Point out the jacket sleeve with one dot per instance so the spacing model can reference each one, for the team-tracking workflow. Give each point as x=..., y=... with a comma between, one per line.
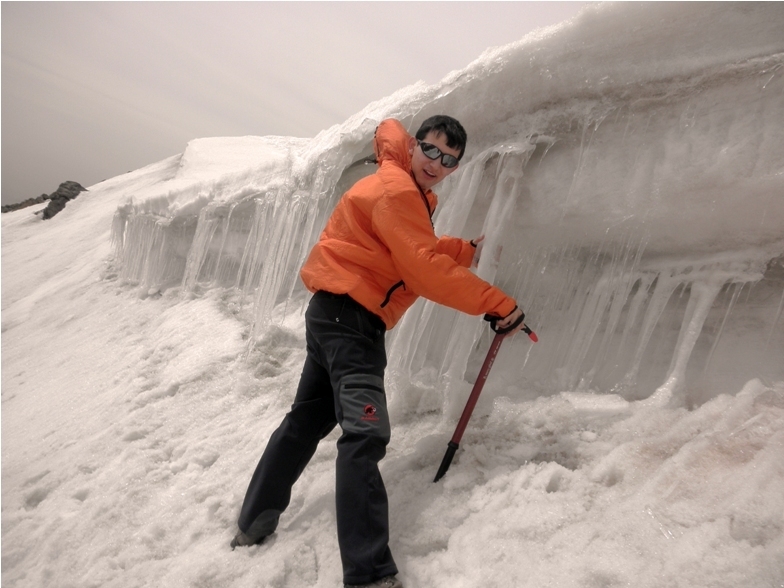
x=401, y=222
x=458, y=249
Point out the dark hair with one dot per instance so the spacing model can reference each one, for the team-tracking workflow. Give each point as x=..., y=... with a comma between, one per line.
x=456, y=137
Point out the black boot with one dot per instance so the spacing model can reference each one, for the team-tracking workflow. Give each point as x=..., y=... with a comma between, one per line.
x=243, y=540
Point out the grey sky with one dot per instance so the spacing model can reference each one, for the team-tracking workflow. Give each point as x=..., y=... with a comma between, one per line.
x=91, y=90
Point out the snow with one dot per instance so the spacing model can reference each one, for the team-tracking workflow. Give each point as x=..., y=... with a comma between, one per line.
x=626, y=170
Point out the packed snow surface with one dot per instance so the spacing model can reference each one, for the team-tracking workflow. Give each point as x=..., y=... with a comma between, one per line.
x=627, y=171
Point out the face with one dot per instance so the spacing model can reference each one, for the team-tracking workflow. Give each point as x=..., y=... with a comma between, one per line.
x=428, y=172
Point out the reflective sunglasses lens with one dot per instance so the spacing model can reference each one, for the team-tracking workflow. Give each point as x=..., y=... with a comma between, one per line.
x=430, y=151
x=448, y=161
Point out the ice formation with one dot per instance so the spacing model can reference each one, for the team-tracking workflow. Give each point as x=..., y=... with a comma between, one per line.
x=627, y=171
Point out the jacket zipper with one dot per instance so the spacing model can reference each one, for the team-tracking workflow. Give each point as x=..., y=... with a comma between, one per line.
x=427, y=205
x=424, y=199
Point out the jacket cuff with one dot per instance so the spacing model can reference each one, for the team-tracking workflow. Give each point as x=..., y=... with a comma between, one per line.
x=467, y=252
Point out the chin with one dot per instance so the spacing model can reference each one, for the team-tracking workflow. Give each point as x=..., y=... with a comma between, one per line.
x=426, y=182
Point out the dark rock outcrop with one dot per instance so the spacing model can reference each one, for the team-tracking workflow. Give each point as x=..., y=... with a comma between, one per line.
x=60, y=197
x=57, y=199
x=24, y=203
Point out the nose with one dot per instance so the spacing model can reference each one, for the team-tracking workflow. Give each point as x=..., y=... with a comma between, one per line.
x=434, y=166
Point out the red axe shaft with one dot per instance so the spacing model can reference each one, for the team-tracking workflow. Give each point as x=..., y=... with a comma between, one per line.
x=453, y=445
x=469, y=407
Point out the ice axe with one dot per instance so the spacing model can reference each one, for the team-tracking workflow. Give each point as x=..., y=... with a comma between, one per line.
x=478, y=385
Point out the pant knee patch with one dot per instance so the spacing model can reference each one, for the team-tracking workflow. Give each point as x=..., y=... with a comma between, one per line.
x=364, y=405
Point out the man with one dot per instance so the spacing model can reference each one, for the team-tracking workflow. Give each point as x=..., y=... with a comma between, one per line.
x=377, y=254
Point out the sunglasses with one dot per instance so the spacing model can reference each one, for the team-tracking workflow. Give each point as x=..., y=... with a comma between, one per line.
x=433, y=152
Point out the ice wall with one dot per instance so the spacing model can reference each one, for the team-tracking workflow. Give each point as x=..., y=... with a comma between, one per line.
x=626, y=168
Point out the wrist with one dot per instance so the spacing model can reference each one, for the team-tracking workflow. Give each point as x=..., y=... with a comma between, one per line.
x=514, y=310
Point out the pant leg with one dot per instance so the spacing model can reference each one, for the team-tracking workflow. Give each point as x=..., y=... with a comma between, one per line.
x=290, y=448
x=345, y=370
x=351, y=346
x=362, y=506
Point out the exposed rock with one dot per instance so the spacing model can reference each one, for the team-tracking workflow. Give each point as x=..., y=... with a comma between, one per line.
x=24, y=203
x=60, y=197
x=57, y=199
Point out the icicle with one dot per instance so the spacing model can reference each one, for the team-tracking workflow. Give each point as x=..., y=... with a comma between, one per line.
x=700, y=301
x=199, y=249
x=778, y=317
x=277, y=250
x=225, y=260
x=626, y=278
x=738, y=287
x=119, y=221
x=452, y=214
x=608, y=295
x=665, y=286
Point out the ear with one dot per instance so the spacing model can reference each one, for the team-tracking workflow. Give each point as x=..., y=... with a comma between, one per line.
x=412, y=143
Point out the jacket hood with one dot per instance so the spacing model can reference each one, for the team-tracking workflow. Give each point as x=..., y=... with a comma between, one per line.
x=391, y=144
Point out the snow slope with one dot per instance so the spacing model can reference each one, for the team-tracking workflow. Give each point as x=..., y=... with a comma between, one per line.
x=635, y=192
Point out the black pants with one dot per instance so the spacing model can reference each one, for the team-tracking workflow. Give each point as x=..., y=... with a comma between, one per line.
x=342, y=383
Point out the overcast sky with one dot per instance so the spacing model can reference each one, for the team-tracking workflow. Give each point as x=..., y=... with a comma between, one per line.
x=91, y=90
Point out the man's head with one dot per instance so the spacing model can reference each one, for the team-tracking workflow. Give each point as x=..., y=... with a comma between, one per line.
x=438, y=144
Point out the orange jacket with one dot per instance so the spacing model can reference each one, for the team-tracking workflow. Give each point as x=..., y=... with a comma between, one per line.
x=379, y=246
